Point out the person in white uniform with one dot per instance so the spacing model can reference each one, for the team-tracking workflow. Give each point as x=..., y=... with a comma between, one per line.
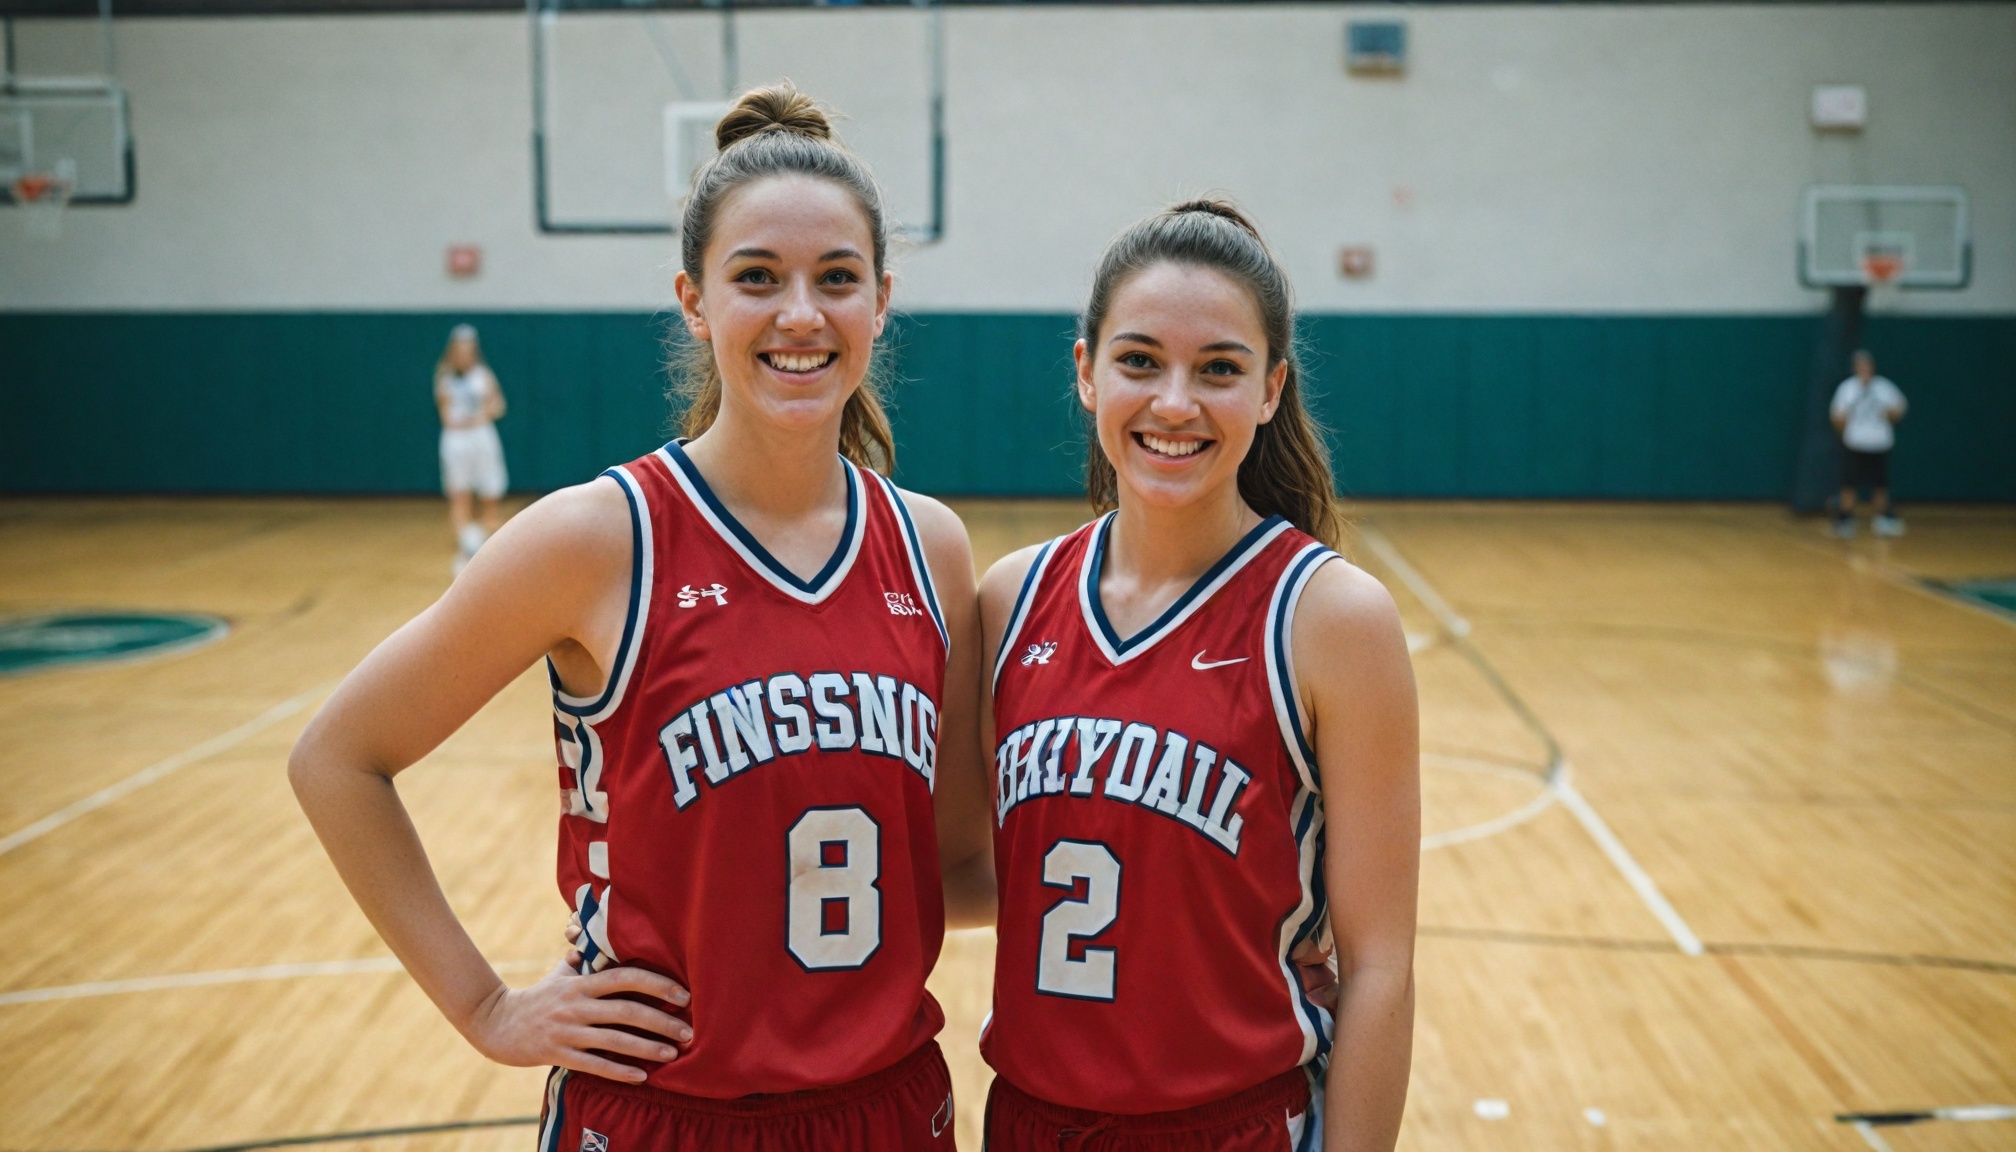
x=1865, y=411
x=472, y=458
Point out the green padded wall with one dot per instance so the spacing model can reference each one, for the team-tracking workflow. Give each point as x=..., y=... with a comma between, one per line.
x=1660, y=407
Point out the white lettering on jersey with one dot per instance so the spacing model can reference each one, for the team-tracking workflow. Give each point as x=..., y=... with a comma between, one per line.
x=1161, y=770
x=746, y=725
x=900, y=604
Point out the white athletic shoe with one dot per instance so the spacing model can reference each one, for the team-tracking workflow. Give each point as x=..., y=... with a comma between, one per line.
x=1888, y=526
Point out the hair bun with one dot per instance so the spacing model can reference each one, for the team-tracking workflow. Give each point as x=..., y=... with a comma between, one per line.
x=1223, y=209
x=772, y=108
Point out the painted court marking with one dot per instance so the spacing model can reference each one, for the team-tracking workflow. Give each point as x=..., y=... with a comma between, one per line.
x=371, y=964
x=1866, y=1123
x=159, y=769
x=1558, y=784
x=1542, y=800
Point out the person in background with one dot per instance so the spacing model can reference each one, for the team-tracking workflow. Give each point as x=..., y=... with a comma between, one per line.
x=472, y=458
x=1865, y=412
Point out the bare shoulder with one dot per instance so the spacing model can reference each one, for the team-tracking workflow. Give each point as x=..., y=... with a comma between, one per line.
x=1346, y=618
x=1001, y=584
x=569, y=543
x=942, y=533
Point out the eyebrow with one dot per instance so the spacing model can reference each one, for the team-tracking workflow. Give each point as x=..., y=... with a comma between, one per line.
x=766, y=254
x=1144, y=338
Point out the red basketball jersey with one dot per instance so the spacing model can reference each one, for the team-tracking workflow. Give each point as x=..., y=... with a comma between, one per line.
x=747, y=806
x=1159, y=835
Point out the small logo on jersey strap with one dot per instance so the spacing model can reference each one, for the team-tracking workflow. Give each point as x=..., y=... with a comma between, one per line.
x=593, y=1141
x=1039, y=653
x=690, y=596
x=900, y=604
x=1200, y=664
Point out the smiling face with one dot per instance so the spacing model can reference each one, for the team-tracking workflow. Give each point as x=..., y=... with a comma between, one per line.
x=792, y=302
x=1178, y=382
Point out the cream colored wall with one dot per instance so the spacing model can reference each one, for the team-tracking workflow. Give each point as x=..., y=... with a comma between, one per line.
x=1572, y=158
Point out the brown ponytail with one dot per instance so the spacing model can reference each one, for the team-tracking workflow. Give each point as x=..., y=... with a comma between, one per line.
x=1287, y=471
x=777, y=131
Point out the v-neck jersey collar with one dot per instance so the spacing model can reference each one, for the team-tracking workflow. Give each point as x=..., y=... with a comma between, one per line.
x=745, y=544
x=1119, y=650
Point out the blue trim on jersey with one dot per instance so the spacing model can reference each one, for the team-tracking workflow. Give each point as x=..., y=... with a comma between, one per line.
x=1017, y=613
x=1170, y=613
x=1284, y=674
x=629, y=614
x=677, y=455
x=556, y=1110
x=1309, y=923
x=922, y=566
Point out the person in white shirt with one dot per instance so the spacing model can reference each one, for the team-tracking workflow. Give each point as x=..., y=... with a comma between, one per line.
x=472, y=458
x=1866, y=410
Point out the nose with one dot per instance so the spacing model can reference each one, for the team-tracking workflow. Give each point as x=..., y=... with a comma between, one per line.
x=1174, y=402
x=798, y=310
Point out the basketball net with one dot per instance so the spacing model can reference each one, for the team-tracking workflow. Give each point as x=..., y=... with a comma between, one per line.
x=42, y=196
x=1882, y=267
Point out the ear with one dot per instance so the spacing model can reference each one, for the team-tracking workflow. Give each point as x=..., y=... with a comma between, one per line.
x=1277, y=379
x=688, y=292
x=1088, y=396
x=882, y=291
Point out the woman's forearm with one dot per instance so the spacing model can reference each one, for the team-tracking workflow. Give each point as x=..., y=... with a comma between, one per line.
x=1367, y=1083
x=368, y=834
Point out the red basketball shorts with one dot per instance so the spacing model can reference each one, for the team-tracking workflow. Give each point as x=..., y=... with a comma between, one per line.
x=906, y=1107
x=1272, y=1116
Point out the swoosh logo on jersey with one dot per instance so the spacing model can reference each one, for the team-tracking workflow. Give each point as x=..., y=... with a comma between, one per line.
x=1200, y=664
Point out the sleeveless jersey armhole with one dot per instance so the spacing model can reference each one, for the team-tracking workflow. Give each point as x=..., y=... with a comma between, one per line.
x=920, y=567
x=597, y=708
x=1280, y=656
x=1030, y=580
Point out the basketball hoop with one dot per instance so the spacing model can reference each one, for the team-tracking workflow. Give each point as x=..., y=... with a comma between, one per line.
x=1882, y=267
x=42, y=196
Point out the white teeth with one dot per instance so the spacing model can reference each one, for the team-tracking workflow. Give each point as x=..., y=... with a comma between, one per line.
x=1172, y=447
x=807, y=362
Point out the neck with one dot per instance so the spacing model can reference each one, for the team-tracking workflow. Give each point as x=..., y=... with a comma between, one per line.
x=1157, y=543
x=779, y=473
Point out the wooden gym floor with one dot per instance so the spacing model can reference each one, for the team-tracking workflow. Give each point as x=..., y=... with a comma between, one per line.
x=1771, y=878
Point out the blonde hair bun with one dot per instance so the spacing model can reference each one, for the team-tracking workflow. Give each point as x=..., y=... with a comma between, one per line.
x=777, y=107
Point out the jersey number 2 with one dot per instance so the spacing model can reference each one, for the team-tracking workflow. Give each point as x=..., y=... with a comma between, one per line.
x=834, y=914
x=1090, y=978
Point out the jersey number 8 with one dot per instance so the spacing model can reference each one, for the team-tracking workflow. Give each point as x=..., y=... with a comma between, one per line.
x=834, y=914
x=1070, y=920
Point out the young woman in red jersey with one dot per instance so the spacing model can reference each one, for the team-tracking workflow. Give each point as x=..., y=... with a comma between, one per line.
x=1205, y=747
x=758, y=646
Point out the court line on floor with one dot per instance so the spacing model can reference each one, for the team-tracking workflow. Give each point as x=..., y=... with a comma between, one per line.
x=1559, y=784
x=1767, y=951
x=161, y=768
x=1866, y=1123
x=363, y=1134
x=364, y=966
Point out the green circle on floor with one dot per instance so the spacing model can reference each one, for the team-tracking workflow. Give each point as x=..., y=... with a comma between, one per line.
x=29, y=643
